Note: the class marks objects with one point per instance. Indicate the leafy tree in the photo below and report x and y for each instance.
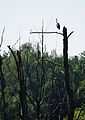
(45, 96)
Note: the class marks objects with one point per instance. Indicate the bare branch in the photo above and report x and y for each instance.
(2, 36)
(53, 63)
(70, 34)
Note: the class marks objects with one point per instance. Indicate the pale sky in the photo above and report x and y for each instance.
(20, 16)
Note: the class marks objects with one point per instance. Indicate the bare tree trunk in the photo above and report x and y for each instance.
(4, 116)
(22, 93)
(66, 71)
(22, 83)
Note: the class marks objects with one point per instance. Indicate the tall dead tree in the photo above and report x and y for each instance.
(2, 82)
(66, 68)
(22, 83)
(66, 73)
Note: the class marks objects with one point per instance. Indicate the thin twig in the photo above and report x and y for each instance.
(2, 36)
(70, 34)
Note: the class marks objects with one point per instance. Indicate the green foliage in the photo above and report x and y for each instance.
(44, 84)
(79, 115)
(81, 91)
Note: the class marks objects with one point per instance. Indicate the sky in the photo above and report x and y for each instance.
(21, 16)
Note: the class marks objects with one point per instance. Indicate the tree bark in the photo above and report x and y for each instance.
(66, 72)
(22, 83)
(4, 115)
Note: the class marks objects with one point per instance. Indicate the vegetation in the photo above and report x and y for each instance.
(37, 86)
(42, 85)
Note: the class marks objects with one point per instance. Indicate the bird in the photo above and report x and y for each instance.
(57, 24)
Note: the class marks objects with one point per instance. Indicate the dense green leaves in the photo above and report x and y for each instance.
(45, 90)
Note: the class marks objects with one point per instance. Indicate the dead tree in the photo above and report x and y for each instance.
(66, 67)
(2, 82)
(66, 73)
(22, 83)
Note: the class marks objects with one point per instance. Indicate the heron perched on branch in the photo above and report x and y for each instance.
(57, 24)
